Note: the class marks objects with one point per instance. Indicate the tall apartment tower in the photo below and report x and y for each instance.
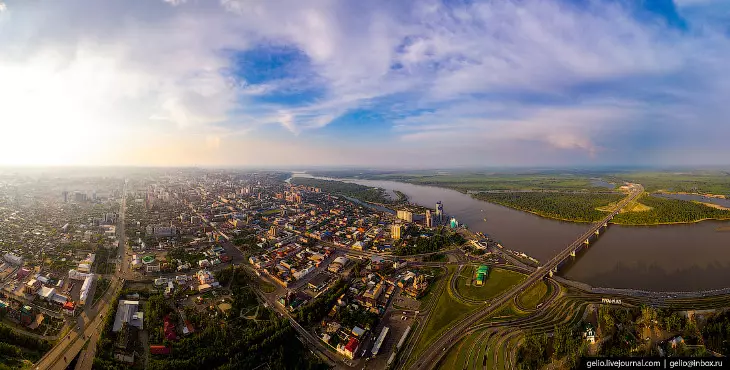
(395, 231)
(440, 211)
(429, 219)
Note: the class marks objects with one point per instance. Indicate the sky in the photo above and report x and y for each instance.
(411, 84)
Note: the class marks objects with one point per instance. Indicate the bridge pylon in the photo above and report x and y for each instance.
(587, 242)
(572, 254)
(598, 232)
(605, 225)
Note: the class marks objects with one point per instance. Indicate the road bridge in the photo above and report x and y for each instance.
(432, 355)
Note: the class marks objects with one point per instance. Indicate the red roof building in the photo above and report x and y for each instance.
(159, 350)
(351, 348)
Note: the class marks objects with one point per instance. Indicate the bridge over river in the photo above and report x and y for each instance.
(431, 355)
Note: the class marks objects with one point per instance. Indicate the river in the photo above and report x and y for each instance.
(658, 258)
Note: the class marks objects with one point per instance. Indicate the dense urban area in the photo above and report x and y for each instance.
(222, 269)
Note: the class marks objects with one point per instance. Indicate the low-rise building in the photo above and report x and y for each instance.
(128, 313)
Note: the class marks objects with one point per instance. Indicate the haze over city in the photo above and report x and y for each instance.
(375, 83)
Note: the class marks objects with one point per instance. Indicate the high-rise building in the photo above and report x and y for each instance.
(396, 230)
(440, 211)
(406, 216)
(429, 220)
(272, 232)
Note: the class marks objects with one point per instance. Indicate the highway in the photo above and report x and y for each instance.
(92, 317)
(432, 355)
(86, 358)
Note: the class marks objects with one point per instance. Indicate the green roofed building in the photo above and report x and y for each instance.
(482, 274)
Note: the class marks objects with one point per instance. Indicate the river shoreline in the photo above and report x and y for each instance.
(692, 257)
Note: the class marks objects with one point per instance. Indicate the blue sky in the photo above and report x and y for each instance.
(378, 83)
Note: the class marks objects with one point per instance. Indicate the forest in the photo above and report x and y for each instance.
(669, 211)
(578, 207)
(16, 348)
(716, 333)
(620, 331)
(538, 350)
(361, 192)
(417, 244)
(695, 181)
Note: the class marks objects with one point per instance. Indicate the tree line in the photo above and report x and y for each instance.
(361, 192)
(579, 207)
(668, 211)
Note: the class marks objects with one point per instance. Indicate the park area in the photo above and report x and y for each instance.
(497, 282)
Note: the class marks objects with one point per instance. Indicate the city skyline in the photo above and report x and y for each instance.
(422, 84)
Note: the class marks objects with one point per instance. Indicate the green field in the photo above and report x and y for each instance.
(532, 296)
(577, 207)
(499, 280)
(447, 310)
(712, 182)
(669, 211)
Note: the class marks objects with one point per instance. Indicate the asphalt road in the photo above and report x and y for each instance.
(68, 347)
(86, 358)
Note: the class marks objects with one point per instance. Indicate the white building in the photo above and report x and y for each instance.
(77, 275)
(13, 259)
(128, 312)
(84, 295)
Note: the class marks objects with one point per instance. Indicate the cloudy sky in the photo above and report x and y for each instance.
(399, 83)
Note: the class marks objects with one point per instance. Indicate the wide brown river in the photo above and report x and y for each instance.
(658, 258)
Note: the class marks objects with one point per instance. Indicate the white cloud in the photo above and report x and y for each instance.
(175, 2)
(152, 68)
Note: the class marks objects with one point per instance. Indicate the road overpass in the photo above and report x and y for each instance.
(432, 355)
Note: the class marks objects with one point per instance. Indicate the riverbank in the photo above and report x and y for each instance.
(550, 217)
(660, 211)
(708, 195)
(674, 223)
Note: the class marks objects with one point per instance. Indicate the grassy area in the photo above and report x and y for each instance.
(266, 287)
(578, 207)
(712, 182)
(499, 280)
(633, 206)
(447, 310)
(532, 296)
(508, 311)
(101, 286)
(455, 357)
(668, 211)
